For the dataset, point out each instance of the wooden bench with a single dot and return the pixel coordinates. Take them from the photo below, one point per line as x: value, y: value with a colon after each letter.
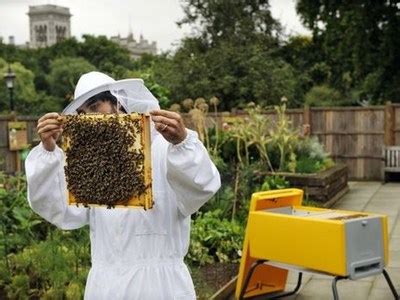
x: 391, y: 160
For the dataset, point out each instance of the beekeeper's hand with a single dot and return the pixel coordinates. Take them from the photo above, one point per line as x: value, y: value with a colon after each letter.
x: 170, y: 125
x: 49, y: 129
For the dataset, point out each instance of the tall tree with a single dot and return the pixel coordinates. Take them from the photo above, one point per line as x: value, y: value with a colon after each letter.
x: 360, y: 42
x: 233, y: 55
x: 240, y: 20
x: 105, y: 55
x: 64, y: 74
x: 235, y: 74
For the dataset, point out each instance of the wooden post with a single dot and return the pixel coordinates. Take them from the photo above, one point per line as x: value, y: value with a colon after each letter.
x: 17, y: 162
x: 306, y: 121
x: 389, y: 122
x: 17, y: 159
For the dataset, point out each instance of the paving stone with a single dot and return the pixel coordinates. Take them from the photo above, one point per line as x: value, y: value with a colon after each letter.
x: 347, y: 290
x: 293, y: 278
x: 351, y: 207
x: 394, y: 274
x: 380, y: 294
x: 394, y: 259
x: 394, y: 243
x: 396, y: 230
x: 381, y: 209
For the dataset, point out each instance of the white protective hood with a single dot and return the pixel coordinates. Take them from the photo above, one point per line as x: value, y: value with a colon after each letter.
x: 132, y: 94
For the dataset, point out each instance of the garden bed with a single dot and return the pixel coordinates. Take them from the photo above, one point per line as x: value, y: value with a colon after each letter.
x: 210, y: 278
x: 325, y: 187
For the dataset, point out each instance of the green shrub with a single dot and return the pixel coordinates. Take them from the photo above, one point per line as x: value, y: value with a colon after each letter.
x: 52, y: 266
x: 308, y: 165
x: 74, y: 290
x: 56, y: 261
x: 19, y: 288
x: 311, y: 147
x: 215, y: 239
x: 323, y: 95
x: 311, y: 156
x: 223, y: 200
x: 274, y: 182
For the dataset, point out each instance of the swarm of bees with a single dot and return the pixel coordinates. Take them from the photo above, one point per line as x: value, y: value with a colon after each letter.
x: 104, y: 159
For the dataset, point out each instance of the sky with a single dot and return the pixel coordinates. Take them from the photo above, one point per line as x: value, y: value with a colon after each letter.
x: 154, y: 19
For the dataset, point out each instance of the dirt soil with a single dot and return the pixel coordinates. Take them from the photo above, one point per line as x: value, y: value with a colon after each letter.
x: 209, y: 279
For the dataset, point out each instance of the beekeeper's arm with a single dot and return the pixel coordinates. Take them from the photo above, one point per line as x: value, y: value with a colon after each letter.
x: 44, y: 168
x: 190, y: 171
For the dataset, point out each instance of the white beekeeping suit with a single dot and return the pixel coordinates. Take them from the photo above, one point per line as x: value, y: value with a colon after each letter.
x: 136, y: 254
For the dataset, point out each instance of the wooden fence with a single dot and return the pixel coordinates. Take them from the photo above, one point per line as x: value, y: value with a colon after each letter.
x: 10, y: 161
x: 353, y: 135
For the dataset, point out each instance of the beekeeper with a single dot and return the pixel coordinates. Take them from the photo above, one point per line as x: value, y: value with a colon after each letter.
x: 136, y: 254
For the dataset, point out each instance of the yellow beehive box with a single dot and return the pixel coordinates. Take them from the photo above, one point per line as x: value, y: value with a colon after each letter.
x: 284, y: 233
x: 108, y: 160
x: 337, y: 242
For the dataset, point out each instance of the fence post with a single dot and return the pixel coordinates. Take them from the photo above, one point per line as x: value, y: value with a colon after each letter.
x: 389, y: 124
x: 306, y: 120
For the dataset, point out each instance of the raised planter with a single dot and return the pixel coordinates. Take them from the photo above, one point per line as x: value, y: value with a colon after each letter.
x: 325, y: 187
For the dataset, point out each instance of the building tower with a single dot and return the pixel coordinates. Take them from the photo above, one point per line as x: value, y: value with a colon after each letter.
x: 136, y: 48
x: 48, y: 24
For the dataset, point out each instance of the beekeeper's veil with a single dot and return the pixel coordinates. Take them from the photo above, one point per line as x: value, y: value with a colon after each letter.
x: 131, y: 94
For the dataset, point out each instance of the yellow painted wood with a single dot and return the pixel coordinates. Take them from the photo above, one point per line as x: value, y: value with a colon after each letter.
x: 298, y: 241
x: 385, y: 233
x: 266, y: 278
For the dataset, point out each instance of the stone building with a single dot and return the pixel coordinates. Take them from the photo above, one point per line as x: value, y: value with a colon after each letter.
x: 136, y: 48
x: 48, y: 24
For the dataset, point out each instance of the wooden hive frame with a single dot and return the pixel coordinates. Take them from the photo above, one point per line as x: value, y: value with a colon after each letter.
x: 144, y: 200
